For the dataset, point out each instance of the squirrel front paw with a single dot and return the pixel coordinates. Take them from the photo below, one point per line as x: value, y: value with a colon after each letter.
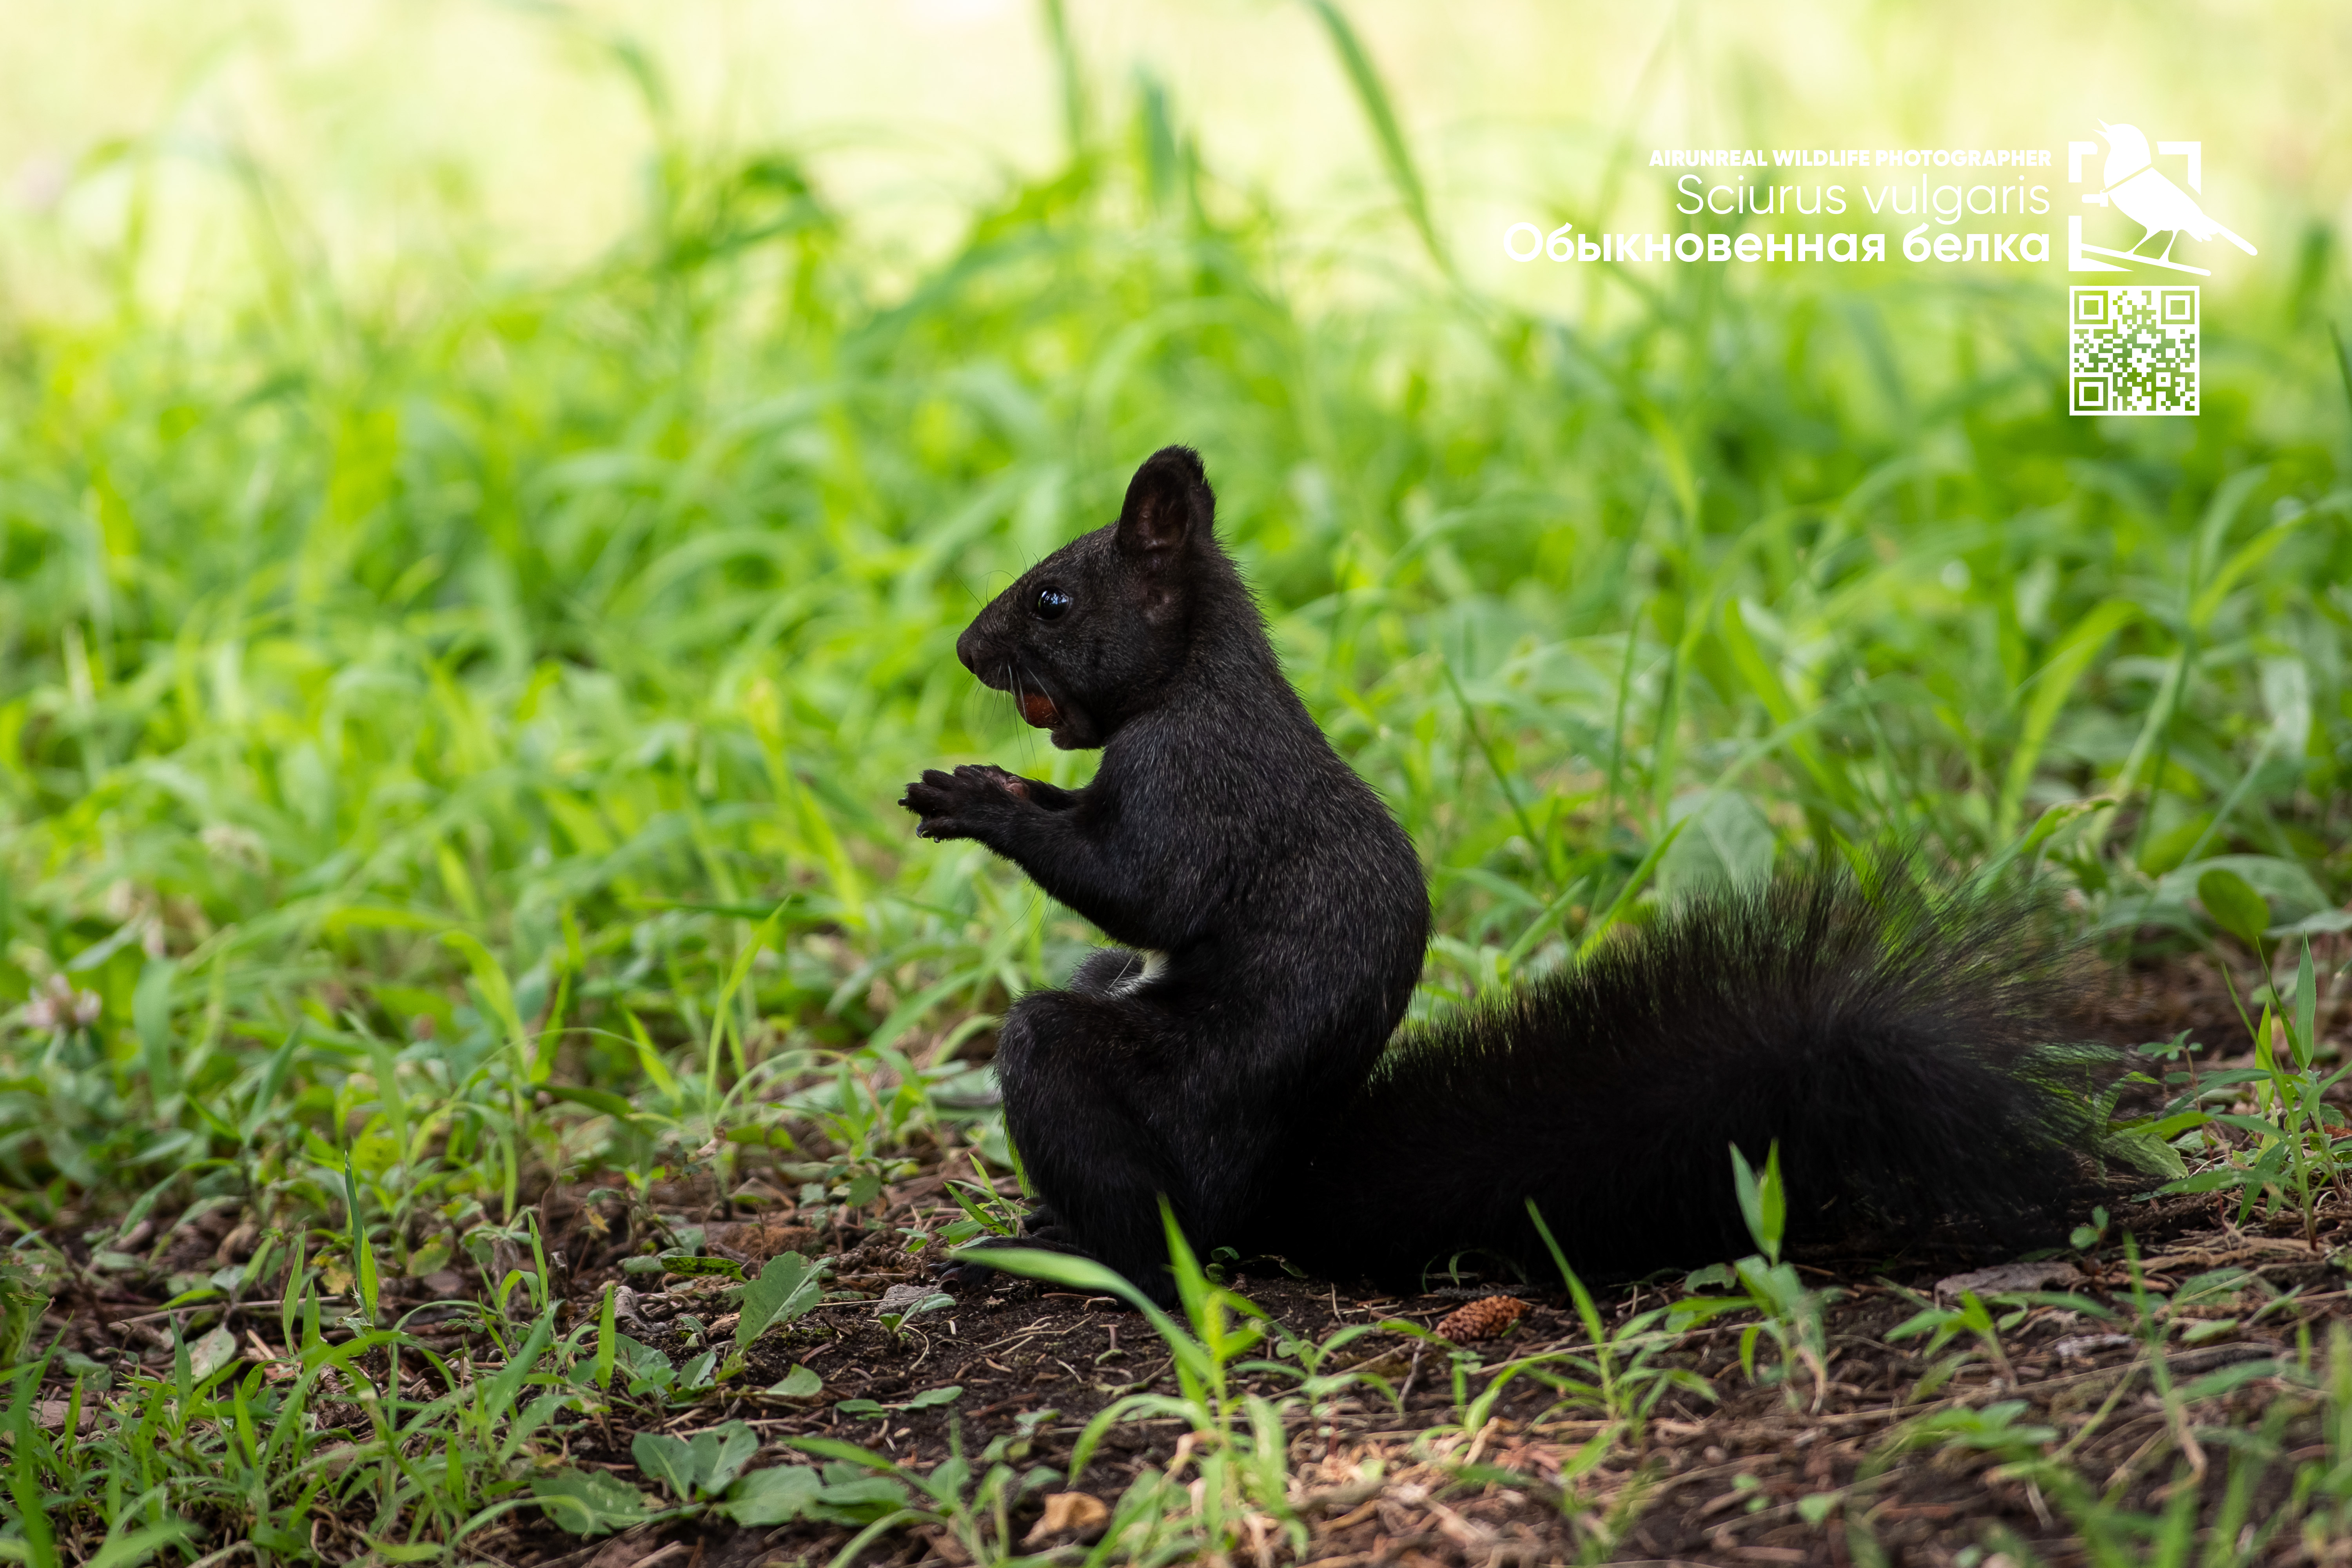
x: 962, y: 804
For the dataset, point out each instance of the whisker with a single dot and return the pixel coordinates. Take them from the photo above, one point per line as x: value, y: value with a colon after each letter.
x: 1028, y: 736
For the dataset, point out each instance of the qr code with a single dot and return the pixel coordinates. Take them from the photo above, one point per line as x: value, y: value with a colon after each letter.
x: 2132, y: 350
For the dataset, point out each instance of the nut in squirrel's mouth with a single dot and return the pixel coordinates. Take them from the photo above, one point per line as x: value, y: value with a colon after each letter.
x: 1039, y: 710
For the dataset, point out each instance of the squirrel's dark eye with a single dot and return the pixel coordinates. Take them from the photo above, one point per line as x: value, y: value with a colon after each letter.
x: 1051, y: 603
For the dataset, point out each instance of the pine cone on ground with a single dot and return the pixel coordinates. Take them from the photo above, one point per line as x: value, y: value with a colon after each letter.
x: 1481, y: 1319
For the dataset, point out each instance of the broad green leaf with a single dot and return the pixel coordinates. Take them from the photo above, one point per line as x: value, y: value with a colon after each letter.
x: 2289, y: 888
x: 732, y: 1447
x: 669, y: 1460
x: 857, y: 1499
x: 777, y: 1495
x: 789, y: 1286
x: 800, y: 1383
x: 697, y: 1467
x: 589, y: 1502
x: 2235, y: 907
x: 211, y: 1353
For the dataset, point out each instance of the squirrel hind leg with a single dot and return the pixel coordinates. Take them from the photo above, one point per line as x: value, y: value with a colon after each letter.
x: 1086, y: 1103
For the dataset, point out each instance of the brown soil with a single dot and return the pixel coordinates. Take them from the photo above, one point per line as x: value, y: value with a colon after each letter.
x: 1722, y: 1482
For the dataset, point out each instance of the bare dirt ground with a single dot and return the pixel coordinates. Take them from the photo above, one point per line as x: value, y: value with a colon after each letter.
x: 1719, y: 1482
x: 1760, y: 1475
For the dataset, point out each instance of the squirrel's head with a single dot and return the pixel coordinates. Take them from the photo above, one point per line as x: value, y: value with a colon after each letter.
x: 1089, y: 638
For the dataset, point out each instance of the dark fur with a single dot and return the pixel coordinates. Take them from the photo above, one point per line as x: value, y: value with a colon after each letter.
x: 1892, y: 1043
x: 1898, y: 1046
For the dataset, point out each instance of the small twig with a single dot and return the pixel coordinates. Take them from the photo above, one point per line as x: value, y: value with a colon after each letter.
x: 223, y: 1555
x: 207, y: 1306
x: 1405, y: 1394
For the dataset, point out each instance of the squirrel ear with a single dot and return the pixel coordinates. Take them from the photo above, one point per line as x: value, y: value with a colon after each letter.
x: 1167, y: 503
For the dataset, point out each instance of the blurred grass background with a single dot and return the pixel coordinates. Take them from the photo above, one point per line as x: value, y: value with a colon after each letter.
x: 487, y: 494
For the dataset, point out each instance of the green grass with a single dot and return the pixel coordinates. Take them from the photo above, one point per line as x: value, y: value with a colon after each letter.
x: 428, y: 714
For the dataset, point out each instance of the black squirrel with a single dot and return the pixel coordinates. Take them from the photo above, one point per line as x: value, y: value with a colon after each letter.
x: 1906, y: 1048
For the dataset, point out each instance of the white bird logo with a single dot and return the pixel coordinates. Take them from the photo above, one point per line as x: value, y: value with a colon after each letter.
x: 2136, y: 189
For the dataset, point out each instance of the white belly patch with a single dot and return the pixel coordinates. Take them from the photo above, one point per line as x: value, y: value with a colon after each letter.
x: 1137, y: 978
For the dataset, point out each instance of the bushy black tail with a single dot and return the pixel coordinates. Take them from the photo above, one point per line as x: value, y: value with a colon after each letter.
x: 1910, y: 1051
